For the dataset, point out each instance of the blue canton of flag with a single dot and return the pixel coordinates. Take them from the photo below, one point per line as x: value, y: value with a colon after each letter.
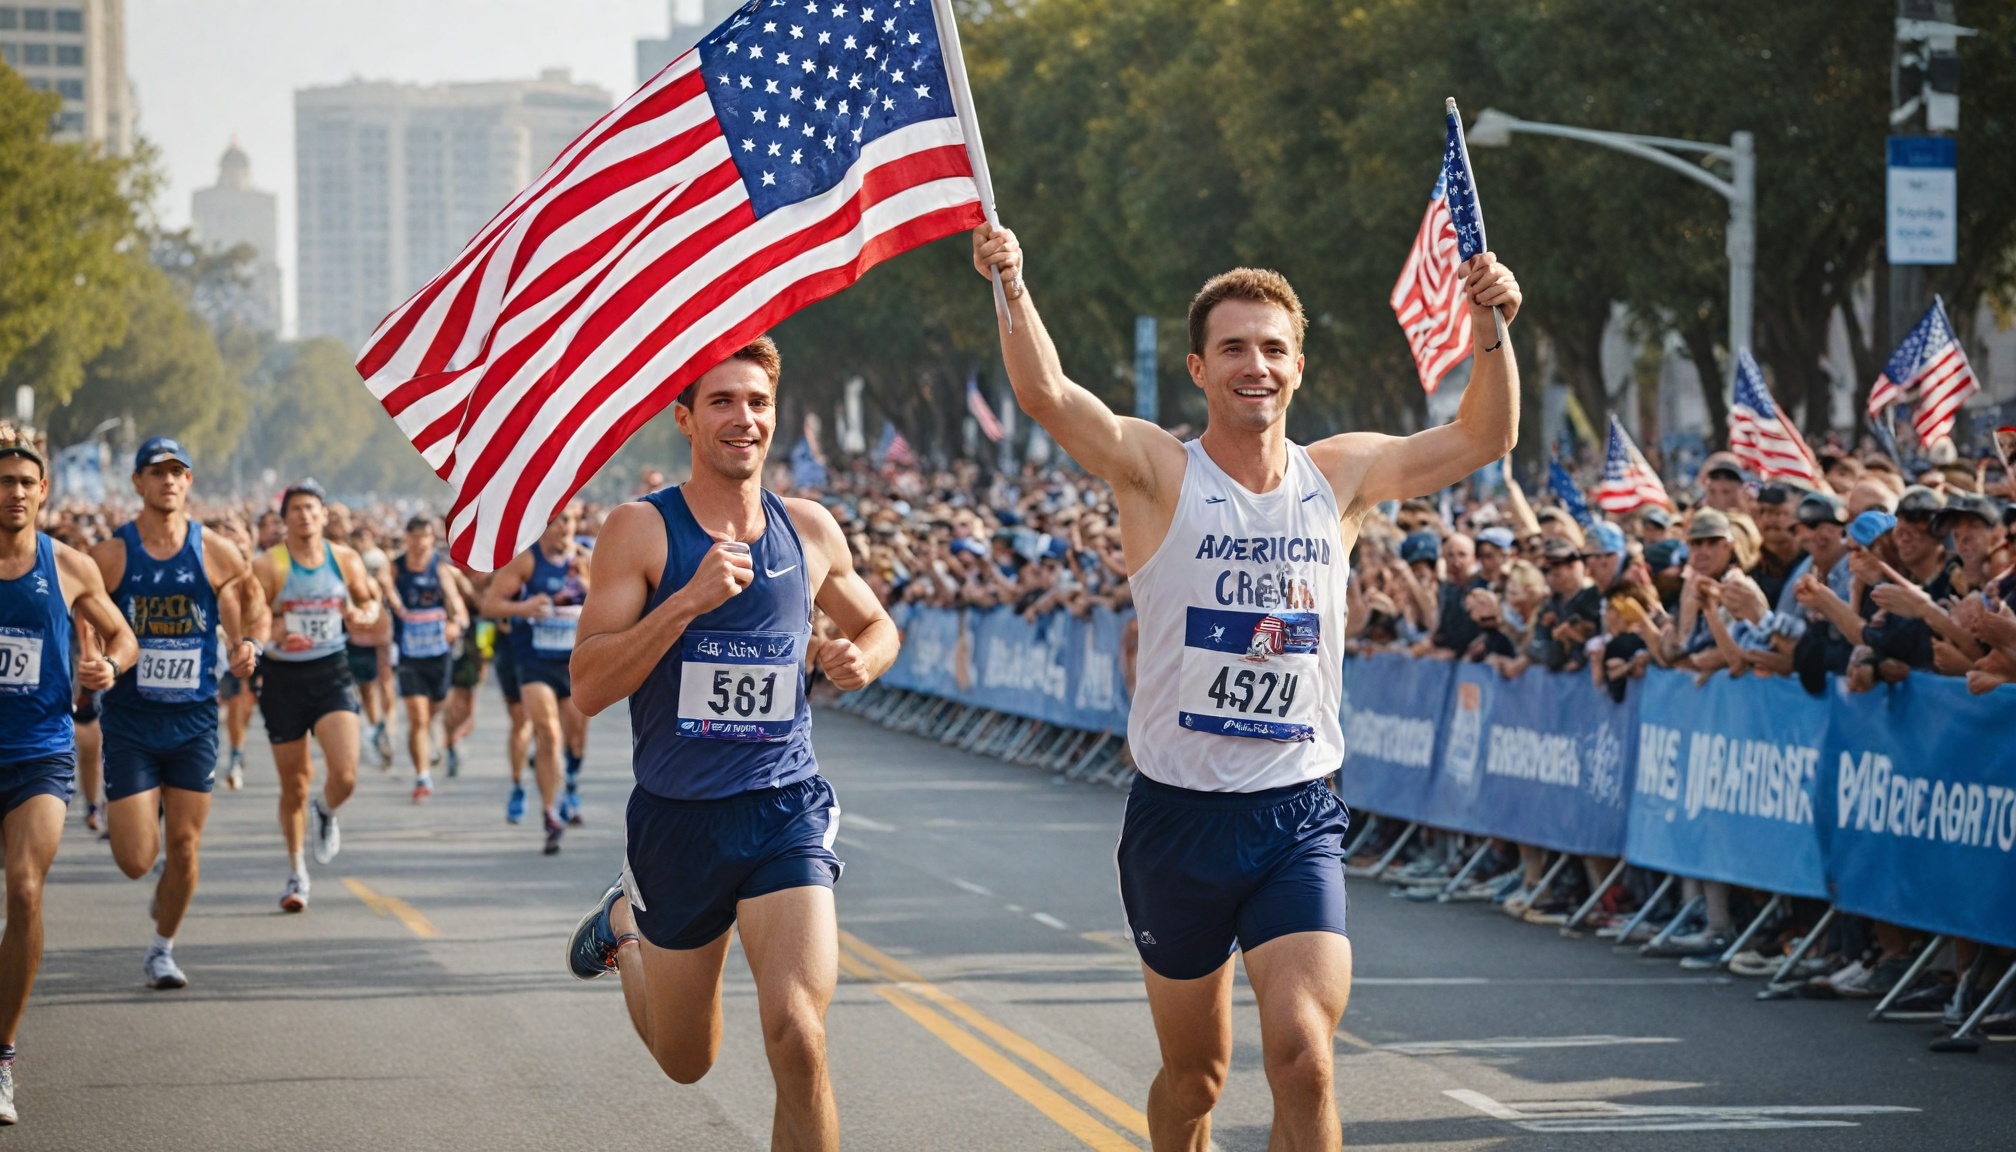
x: 800, y: 87
x: 1564, y: 488
x: 1461, y: 191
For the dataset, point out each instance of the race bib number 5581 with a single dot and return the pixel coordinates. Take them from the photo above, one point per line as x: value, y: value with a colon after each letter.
x: 1251, y: 674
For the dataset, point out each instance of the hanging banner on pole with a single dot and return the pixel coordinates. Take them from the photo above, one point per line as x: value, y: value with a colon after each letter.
x: 1924, y: 214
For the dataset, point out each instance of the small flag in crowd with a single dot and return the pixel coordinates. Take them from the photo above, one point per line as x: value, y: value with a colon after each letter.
x: 765, y: 168
x: 892, y: 448
x: 990, y: 424
x: 1428, y: 297
x: 1931, y: 368
x: 806, y: 469
x: 1629, y: 483
x: 1767, y: 444
x: 1564, y: 488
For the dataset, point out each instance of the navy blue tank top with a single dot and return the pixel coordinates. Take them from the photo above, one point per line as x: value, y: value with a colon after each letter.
x: 549, y: 638
x: 173, y: 611
x: 35, y: 686
x: 423, y: 631
x: 724, y: 711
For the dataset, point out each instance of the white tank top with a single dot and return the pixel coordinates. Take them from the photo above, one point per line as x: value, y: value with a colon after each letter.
x: 1241, y: 613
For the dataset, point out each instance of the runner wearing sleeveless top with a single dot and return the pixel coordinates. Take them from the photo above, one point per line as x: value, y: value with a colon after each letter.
x: 701, y: 616
x: 541, y: 592
x: 1239, y: 544
x: 176, y: 585
x: 316, y: 591
x: 44, y: 587
x: 430, y: 617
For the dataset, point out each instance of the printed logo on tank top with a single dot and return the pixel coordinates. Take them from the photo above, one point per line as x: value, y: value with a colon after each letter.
x: 1266, y: 572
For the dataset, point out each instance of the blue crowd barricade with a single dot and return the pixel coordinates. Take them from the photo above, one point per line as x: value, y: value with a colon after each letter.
x: 1393, y: 708
x: 1724, y: 782
x: 1540, y: 759
x: 1061, y: 670
x: 1915, y: 805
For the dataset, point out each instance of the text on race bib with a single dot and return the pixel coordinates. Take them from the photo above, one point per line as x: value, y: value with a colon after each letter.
x: 424, y: 632
x: 738, y: 685
x: 318, y: 622
x: 170, y: 670
x: 1250, y: 674
x: 554, y: 635
x: 20, y: 660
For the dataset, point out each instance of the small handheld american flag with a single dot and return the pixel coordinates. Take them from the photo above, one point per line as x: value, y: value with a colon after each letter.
x: 796, y: 146
x: 1930, y: 367
x: 976, y: 405
x: 1763, y: 440
x: 1561, y: 483
x: 1629, y: 483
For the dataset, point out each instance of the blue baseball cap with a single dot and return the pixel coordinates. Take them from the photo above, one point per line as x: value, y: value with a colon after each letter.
x: 1870, y: 527
x: 160, y: 450
x: 1498, y: 537
x: 1604, y: 539
x: 1420, y: 548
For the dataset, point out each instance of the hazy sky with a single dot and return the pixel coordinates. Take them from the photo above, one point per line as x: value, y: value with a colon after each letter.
x: 205, y: 69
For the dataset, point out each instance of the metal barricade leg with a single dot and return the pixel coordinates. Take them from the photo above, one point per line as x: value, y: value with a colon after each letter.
x: 1399, y: 843
x: 1547, y: 879
x: 1905, y: 981
x: 1363, y: 836
x: 1085, y: 761
x: 1624, y: 934
x: 1673, y: 925
x: 1964, y: 1040
x: 1589, y: 905
x: 1469, y: 866
x: 1751, y: 929
x: 1779, y: 986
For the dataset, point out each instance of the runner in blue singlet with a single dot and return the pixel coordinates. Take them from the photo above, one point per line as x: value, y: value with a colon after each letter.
x: 701, y: 616
x: 430, y: 618
x: 44, y: 587
x: 176, y: 585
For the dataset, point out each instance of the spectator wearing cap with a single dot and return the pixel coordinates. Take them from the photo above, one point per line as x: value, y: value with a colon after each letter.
x: 1455, y: 630
x: 1666, y: 561
x: 1654, y: 524
x: 1558, y: 525
x: 1820, y: 527
x: 1722, y: 483
x: 1973, y: 524
x: 1778, y: 551
x: 1571, y: 614
x: 1921, y: 553
x: 1605, y: 554
x: 1495, y: 548
x: 1711, y: 555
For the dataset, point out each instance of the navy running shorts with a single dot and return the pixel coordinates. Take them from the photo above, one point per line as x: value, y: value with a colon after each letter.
x: 23, y: 780
x: 363, y: 662
x: 1204, y: 872
x: 133, y: 765
x: 507, y: 669
x: 86, y: 708
x: 427, y: 676
x: 228, y: 686
x: 554, y: 674
x: 687, y: 863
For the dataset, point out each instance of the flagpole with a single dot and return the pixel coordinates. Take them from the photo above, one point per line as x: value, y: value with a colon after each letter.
x: 1463, y: 146
x: 969, y: 127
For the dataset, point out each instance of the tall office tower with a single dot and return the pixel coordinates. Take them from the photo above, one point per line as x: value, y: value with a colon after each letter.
x: 78, y: 51
x: 691, y: 19
x: 233, y: 212
x: 392, y: 180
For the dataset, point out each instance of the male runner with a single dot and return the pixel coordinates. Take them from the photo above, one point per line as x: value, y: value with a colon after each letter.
x: 175, y: 584
x: 427, y: 605
x: 235, y: 692
x: 518, y: 737
x: 43, y: 586
x: 701, y: 615
x: 541, y: 592
x: 1238, y: 544
x: 364, y: 647
x: 316, y: 591
x: 471, y: 654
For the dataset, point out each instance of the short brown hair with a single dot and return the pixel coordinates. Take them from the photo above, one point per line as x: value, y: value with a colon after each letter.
x: 1260, y: 285
x: 761, y: 352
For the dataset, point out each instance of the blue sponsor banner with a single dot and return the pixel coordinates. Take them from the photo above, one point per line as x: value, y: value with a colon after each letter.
x: 1542, y: 759
x: 1724, y: 782
x: 1393, y: 707
x: 1060, y: 669
x: 1915, y: 805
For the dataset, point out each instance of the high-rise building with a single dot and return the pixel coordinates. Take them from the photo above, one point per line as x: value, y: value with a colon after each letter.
x: 691, y: 19
x: 392, y: 180
x: 76, y: 49
x: 233, y: 212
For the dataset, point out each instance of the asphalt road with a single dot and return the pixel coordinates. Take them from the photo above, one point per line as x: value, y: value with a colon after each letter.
x: 988, y: 1000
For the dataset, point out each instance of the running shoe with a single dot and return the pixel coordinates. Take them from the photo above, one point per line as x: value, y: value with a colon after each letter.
x: 295, y: 897
x: 554, y: 830
x: 454, y: 760
x: 1754, y: 964
x: 162, y: 971
x: 514, y: 808
x: 381, y: 740
x: 1706, y: 942
x: 7, y: 1113
x: 322, y: 827
x: 591, y: 950
x: 570, y: 805
x: 423, y: 788
x: 234, y: 776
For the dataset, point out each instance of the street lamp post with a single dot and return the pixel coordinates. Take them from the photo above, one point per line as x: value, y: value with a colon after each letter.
x: 1494, y: 129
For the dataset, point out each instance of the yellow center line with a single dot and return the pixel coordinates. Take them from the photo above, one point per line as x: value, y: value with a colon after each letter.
x: 392, y: 906
x: 1072, y: 1080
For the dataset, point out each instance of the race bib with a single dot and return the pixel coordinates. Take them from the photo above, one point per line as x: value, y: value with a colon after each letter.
x: 1251, y: 674
x: 170, y: 670
x: 319, y: 624
x: 553, y: 636
x: 738, y: 685
x: 424, y: 633
x: 20, y: 661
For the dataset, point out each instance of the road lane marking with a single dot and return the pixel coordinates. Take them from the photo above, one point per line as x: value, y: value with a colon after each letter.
x: 1052, y: 921
x: 392, y: 906
x: 1071, y: 1079
x: 1536, y: 981
x: 969, y: 886
x: 1605, y: 1116
x: 856, y: 820
x: 1517, y: 1043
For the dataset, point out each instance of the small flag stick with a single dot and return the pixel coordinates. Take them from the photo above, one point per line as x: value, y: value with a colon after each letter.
x: 969, y: 127
x: 1463, y: 144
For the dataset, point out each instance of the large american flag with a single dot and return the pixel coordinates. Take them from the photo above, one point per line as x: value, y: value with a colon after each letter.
x: 793, y: 148
x: 1766, y: 443
x: 1629, y: 483
x: 1930, y: 367
x: 1428, y: 297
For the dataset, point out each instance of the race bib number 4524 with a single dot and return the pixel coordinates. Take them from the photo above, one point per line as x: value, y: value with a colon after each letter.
x: 738, y: 685
x: 1251, y: 674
